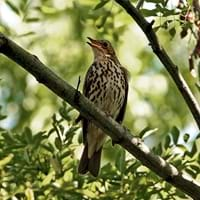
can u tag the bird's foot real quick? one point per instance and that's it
(117, 141)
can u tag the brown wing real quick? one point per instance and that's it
(120, 116)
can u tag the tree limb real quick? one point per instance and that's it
(164, 58)
(118, 133)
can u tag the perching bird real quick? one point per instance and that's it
(106, 85)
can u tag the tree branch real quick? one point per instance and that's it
(118, 133)
(164, 58)
(139, 4)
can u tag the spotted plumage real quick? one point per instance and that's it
(106, 85)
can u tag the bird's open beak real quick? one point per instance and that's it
(94, 43)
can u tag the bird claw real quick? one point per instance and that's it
(117, 141)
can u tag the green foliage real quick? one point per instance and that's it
(43, 165)
(40, 161)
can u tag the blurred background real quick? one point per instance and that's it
(56, 32)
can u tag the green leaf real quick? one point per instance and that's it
(13, 7)
(49, 147)
(195, 168)
(70, 133)
(6, 160)
(180, 194)
(103, 19)
(47, 180)
(9, 138)
(52, 130)
(68, 176)
(167, 142)
(33, 19)
(159, 149)
(193, 151)
(175, 134)
(38, 138)
(27, 34)
(191, 172)
(58, 143)
(27, 135)
(65, 154)
(172, 32)
(2, 117)
(182, 147)
(56, 165)
(149, 13)
(47, 10)
(196, 84)
(143, 131)
(120, 160)
(29, 193)
(198, 136)
(186, 137)
(23, 5)
(101, 4)
(149, 132)
(64, 111)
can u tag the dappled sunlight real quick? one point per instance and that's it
(39, 130)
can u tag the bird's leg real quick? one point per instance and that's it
(119, 140)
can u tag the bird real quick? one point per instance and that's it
(106, 86)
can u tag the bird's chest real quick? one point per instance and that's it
(107, 89)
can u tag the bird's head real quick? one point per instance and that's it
(101, 48)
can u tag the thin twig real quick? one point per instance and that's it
(78, 84)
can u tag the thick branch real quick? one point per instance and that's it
(164, 58)
(118, 133)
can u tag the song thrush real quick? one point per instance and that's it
(106, 85)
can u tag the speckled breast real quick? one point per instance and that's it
(107, 86)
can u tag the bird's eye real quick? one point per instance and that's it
(105, 44)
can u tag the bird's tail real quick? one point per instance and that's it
(90, 164)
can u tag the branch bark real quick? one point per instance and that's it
(117, 132)
(164, 58)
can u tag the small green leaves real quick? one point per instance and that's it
(120, 161)
(101, 4)
(175, 134)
